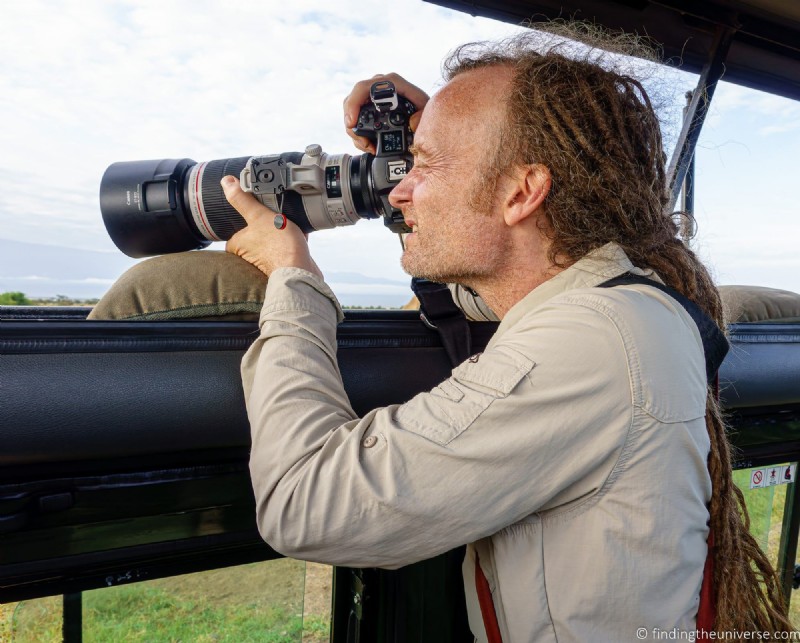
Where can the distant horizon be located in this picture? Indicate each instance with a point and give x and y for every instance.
(87, 85)
(42, 279)
(88, 274)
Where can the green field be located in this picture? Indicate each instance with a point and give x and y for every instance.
(278, 601)
(765, 507)
(262, 602)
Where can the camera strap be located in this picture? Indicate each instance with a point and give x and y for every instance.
(438, 311)
(715, 345)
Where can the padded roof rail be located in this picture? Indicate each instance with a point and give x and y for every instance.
(764, 54)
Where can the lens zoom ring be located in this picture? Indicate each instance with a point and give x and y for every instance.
(224, 220)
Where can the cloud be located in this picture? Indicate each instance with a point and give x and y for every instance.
(783, 128)
(86, 84)
(758, 105)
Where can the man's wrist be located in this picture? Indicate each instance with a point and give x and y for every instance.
(293, 288)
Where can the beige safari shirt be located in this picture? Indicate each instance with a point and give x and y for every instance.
(571, 455)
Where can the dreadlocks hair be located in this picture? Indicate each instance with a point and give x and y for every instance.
(598, 134)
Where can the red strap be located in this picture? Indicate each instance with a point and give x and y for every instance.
(707, 612)
(487, 604)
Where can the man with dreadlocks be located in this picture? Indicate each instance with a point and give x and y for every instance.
(582, 455)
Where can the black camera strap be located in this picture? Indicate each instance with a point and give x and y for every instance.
(715, 344)
(439, 311)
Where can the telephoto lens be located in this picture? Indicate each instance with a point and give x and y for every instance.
(173, 205)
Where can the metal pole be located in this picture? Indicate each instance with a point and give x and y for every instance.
(688, 229)
(696, 113)
(787, 550)
(72, 618)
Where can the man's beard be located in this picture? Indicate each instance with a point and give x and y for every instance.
(468, 253)
(466, 263)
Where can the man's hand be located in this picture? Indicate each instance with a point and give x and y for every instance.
(261, 243)
(360, 95)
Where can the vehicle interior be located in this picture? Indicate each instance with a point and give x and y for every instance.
(124, 442)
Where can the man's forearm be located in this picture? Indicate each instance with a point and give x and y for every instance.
(297, 407)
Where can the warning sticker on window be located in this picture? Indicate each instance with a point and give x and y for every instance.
(771, 476)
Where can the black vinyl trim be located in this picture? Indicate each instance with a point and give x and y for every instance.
(395, 329)
(134, 564)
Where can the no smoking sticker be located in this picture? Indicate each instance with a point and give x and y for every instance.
(772, 476)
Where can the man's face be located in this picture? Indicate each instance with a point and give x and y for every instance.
(455, 238)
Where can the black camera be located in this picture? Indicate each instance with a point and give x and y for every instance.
(172, 205)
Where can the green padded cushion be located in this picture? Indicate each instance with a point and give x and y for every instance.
(205, 285)
(214, 285)
(760, 304)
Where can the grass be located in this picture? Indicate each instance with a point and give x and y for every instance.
(133, 613)
(263, 602)
(765, 507)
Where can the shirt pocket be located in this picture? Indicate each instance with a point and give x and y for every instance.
(452, 407)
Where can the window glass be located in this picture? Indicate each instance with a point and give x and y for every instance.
(86, 86)
(281, 601)
(765, 490)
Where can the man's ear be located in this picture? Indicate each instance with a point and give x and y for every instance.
(530, 186)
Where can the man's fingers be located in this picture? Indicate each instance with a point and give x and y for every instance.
(360, 95)
(361, 142)
(413, 120)
(245, 204)
(355, 99)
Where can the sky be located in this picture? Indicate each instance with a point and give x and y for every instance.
(86, 84)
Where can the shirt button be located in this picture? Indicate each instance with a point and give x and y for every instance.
(370, 442)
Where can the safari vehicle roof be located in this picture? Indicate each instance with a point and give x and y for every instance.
(764, 50)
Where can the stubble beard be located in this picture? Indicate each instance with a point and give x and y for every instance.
(467, 255)
(465, 258)
(425, 263)
(430, 271)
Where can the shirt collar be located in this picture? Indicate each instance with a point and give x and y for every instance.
(599, 265)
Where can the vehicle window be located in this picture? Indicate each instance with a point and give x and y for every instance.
(146, 81)
(281, 600)
(136, 81)
(745, 208)
(766, 489)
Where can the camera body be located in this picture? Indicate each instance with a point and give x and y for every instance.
(174, 205)
(319, 177)
(385, 123)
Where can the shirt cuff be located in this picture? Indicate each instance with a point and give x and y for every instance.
(296, 289)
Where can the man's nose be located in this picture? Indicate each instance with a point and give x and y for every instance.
(400, 196)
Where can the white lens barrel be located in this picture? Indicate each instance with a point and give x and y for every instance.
(195, 189)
